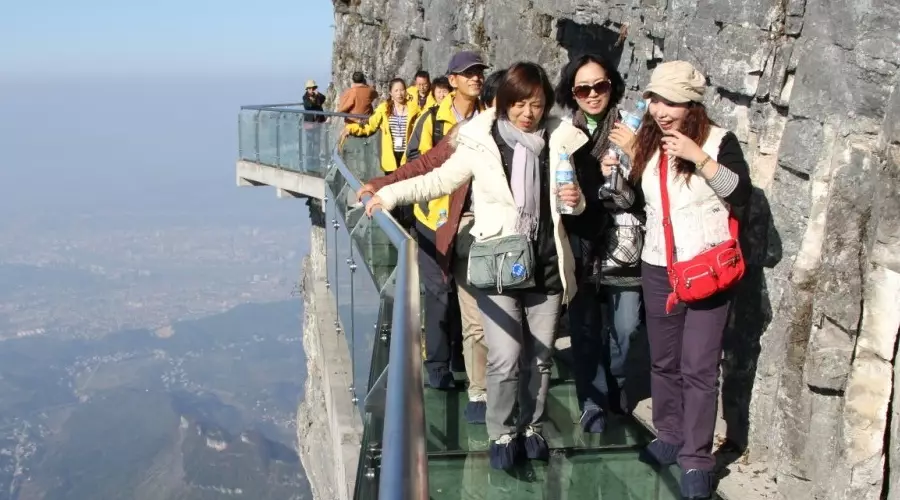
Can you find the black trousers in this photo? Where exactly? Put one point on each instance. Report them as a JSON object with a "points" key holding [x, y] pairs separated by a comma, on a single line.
{"points": [[443, 325]]}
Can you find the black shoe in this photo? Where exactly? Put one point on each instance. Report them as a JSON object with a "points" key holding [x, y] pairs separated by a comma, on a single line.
{"points": [[593, 420], [505, 452], [660, 453], [697, 484], [536, 446], [441, 380], [476, 409]]}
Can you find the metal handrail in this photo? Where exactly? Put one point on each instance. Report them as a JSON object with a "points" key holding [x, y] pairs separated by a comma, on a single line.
{"points": [[404, 463], [285, 108]]}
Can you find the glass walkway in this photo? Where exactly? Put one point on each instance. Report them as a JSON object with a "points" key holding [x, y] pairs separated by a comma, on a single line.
{"points": [[416, 441]]}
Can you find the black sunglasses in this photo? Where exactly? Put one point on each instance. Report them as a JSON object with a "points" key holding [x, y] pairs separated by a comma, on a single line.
{"points": [[584, 90]]}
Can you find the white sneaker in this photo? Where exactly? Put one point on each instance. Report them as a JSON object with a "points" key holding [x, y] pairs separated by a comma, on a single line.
{"points": [[481, 398], [505, 439]]}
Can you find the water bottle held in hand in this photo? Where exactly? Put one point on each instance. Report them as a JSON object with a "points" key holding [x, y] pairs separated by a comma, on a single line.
{"points": [[612, 184], [565, 174], [632, 120]]}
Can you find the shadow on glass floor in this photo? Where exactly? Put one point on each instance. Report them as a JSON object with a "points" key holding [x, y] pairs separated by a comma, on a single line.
{"points": [[582, 465], [583, 475]]}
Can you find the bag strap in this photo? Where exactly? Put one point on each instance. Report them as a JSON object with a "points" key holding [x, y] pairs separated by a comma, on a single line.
{"points": [[668, 233], [437, 128], [733, 224]]}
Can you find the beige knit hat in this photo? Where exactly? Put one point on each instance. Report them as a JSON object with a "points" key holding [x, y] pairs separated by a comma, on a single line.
{"points": [[677, 81]]}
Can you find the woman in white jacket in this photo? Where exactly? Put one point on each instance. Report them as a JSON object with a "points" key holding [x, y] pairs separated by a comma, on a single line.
{"points": [[704, 174], [511, 154]]}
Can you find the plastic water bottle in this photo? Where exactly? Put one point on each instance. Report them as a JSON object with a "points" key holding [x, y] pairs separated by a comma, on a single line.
{"points": [[633, 122], [565, 174], [442, 217]]}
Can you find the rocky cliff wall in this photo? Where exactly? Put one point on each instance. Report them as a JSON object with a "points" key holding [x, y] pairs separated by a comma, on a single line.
{"points": [[329, 427], [810, 88]]}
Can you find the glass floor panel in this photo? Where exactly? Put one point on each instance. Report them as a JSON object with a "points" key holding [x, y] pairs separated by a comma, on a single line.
{"points": [[446, 428], [582, 475]]}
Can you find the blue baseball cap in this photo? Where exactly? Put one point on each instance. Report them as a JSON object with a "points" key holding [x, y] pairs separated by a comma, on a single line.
{"points": [[464, 61]]}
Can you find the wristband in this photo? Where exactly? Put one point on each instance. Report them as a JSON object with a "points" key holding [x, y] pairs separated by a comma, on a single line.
{"points": [[703, 163]]}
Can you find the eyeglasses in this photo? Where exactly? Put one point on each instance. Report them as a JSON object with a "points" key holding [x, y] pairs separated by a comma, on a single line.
{"points": [[584, 90], [471, 73]]}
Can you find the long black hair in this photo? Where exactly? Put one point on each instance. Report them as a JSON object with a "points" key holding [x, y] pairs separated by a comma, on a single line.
{"points": [[490, 86], [564, 95], [390, 101]]}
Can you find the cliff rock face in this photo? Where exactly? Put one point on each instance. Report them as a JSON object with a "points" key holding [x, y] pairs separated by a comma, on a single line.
{"points": [[810, 88]]}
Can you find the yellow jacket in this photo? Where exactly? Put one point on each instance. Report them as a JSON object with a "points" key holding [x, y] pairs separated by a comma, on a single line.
{"points": [[413, 101], [379, 121], [420, 141]]}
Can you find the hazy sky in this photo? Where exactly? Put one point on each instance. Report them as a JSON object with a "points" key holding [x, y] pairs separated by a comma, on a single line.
{"points": [[127, 105], [164, 37]]}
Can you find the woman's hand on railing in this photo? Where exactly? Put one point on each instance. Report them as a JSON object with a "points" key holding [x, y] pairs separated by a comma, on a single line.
{"points": [[365, 190], [373, 204]]}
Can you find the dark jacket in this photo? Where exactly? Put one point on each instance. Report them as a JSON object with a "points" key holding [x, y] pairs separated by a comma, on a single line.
{"points": [[313, 103], [591, 227]]}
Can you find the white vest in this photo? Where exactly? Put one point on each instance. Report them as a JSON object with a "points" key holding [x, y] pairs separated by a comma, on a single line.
{"points": [[699, 216]]}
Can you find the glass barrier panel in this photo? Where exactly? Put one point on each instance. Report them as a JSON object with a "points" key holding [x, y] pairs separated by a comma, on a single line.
{"points": [[335, 182], [247, 148], [377, 252], [361, 155], [348, 207], [367, 303], [289, 130], [370, 453], [367, 471], [268, 137], [317, 147], [343, 284], [330, 241]]}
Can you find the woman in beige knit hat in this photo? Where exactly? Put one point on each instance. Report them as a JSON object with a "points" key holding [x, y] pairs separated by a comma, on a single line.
{"points": [[706, 175]]}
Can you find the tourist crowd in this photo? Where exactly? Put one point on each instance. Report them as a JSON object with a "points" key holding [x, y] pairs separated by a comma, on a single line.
{"points": [[609, 222]]}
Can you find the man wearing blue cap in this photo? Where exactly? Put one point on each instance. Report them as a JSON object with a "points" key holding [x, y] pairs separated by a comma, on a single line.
{"points": [[466, 75]]}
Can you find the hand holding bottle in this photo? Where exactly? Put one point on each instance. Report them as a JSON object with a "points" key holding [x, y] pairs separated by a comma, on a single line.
{"points": [[569, 194], [608, 163], [624, 137]]}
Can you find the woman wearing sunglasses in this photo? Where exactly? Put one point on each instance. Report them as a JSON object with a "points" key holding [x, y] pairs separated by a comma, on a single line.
{"points": [[601, 319]]}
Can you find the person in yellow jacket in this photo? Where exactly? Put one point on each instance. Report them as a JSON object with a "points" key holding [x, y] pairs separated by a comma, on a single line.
{"points": [[421, 97], [442, 316], [466, 77], [440, 88], [394, 118]]}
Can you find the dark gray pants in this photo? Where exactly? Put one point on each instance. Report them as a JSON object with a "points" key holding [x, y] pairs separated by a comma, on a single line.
{"points": [[685, 350], [502, 317]]}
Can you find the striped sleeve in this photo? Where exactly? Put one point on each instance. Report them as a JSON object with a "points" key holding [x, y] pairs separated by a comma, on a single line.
{"points": [[732, 181]]}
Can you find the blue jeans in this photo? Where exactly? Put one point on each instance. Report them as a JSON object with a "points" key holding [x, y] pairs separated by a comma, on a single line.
{"points": [[601, 325]]}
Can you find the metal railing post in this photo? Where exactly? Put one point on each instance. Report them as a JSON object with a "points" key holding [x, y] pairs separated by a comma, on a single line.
{"points": [[404, 464]]}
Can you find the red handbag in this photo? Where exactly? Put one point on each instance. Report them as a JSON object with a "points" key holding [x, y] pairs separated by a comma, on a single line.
{"points": [[710, 272]]}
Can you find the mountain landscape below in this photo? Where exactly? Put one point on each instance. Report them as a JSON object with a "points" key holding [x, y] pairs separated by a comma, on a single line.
{"points": [[150, 333]]}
